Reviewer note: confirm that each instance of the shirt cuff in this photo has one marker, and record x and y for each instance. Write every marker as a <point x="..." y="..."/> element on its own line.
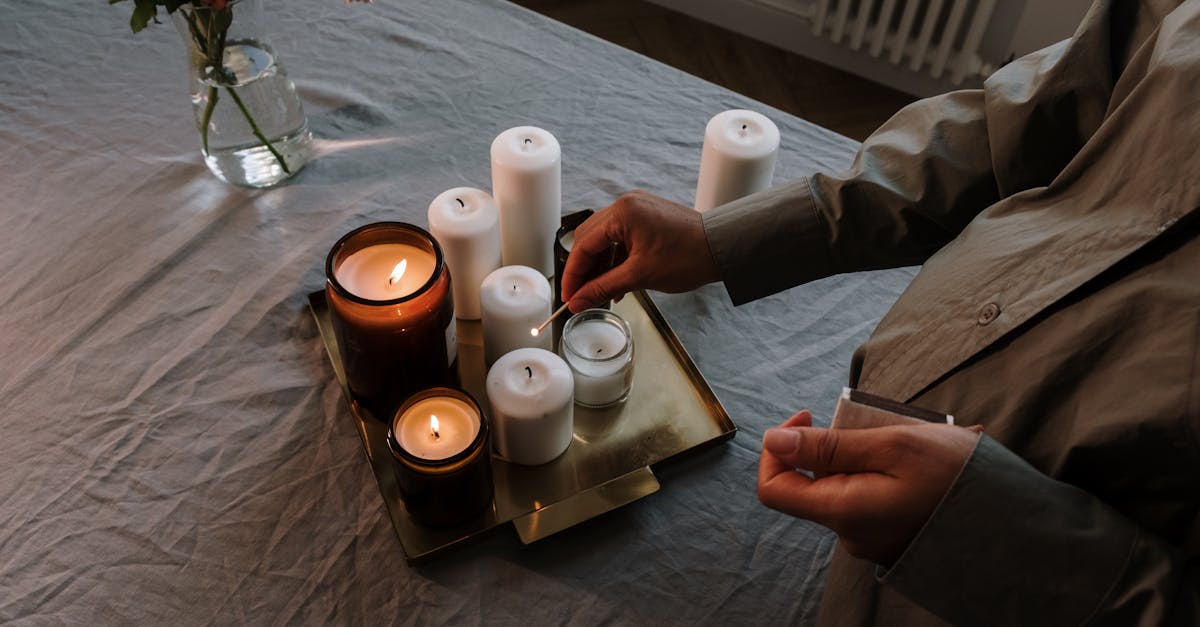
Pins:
<point x="1009" y="545"/>
<point x="769" y="241"/>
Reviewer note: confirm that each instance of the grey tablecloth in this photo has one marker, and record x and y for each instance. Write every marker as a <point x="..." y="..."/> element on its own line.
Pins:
<point x="174" y="447"/>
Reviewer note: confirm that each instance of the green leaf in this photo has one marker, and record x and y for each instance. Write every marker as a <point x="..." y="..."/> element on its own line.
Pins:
<point x="143" y="12"/>
<point x="172" y="5"/>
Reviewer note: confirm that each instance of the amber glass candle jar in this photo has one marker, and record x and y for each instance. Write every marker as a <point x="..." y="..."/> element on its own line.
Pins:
<point x="439" y="445"/>
<point x="389" y="300"/>
<point x="564" y="240"/>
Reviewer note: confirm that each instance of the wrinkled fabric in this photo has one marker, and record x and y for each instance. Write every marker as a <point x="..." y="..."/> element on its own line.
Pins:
<point x="1056" y="212"/>
<point x="175" y="447"/>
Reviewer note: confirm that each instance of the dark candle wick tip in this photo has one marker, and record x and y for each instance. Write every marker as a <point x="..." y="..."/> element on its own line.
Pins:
<point x="528" y="141"/>
<point x="743" y="127"/>
<point x="529" y="371"/>
<point x="461" y="203"/>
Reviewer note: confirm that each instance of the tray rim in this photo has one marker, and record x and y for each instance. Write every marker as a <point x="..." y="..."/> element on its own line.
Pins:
<point x="317" y="304"/>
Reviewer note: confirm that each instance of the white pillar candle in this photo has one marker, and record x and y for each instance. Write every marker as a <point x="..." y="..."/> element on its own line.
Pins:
<point x="738" y="158"/>
<point x="464" y="221"/>
<point x="437" y="428"/>
<point x="513" y="300"/>
<point x="598" y="346"/>
<point x="527" y="184"/>
<point x="533" y="415"/>
<point x="385" y="271"/>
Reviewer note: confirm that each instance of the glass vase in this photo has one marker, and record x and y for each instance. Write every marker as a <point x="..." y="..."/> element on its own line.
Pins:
<point x="252" y="126"/>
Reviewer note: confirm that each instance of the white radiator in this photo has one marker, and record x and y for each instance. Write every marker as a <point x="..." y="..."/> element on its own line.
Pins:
<point x="923" y="47"/>
<point x="934" y="36"/>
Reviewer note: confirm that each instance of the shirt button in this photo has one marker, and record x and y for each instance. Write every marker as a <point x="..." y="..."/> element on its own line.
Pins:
<point x="990" y="312"/>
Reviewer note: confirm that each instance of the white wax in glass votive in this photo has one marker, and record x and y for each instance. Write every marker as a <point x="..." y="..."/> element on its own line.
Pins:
<point x="385" y="271"/>
<point x="527" y="185"/>
<point x="465" y="223"/>
<point x="738" y="158"/>
<point x="437" y="428"/>
<point x="567" y="240"/>
<point x="513" y="300"/>
<point x="598" y="346"/>
<point x="531" y="394"/>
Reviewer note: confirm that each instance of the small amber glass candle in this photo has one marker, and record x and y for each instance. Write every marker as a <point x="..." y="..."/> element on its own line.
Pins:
<point x="389" y="300"/>
<point x="439" y="443"/>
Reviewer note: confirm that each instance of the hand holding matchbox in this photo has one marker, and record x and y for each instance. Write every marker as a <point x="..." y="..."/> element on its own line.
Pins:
<point x="859" y="410"/>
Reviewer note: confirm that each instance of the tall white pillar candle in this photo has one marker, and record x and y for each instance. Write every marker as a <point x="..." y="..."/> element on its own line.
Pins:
<point x="533" y="411"/>
<point x="513" y="300"/>
<point x="527" y="184"/>
<point x="738" y="158"/>
<point x="464" y="221"/>
<point x="598" y="346"/>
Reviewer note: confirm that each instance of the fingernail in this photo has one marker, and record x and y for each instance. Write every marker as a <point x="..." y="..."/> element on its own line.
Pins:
<point x="781" y="441"/>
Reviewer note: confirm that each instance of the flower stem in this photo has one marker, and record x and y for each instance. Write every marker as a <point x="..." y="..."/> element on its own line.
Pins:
<point x="258" y="133"/>
<point x="207" y="117"/>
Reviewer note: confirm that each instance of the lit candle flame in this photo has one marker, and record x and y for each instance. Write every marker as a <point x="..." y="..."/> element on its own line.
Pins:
<point x="434" y="425"/>
<point x="534" y="332"/>
<point x="398" y="272"/>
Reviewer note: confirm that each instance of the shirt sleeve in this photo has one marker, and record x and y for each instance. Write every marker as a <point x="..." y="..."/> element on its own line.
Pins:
<point x="1010" y="546"/>
<point x="924" y="175"/>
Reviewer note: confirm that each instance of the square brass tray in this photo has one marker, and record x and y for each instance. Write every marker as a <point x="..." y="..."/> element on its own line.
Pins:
<point x="670" y="411"/>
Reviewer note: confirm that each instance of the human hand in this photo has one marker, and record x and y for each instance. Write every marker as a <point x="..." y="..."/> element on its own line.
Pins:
<point x="662" y="243"/>
<point x="888" y="481"/>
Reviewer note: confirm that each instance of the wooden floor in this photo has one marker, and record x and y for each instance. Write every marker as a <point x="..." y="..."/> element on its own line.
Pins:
<point x="823" y="95"/>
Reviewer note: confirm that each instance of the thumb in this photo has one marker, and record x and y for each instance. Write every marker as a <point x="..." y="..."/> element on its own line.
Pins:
<point x="826" y="450"/>
<point x="608" y="286"/>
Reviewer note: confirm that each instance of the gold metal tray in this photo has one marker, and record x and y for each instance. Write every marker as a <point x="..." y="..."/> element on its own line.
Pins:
<point x="670" y="411"/>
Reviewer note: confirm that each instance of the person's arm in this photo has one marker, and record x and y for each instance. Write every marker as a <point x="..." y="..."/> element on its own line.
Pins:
<point x="918" y="180"/>
<point x="915" y="183"/>
<point x="1011" y="546"/>
<point x="974" y="534"/>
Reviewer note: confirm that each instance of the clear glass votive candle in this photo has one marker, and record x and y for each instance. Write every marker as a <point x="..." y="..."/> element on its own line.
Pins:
<point x="598" y="346"/>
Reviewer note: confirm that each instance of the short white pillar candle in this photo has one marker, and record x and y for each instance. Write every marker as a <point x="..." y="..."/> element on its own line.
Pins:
<point x="533" y="414"/>
<point x="513" y="300"/>
<point x="738" y="158"/>
<point x="598" y="346"/>
<point x="527" y="184"/>
<point x="464" y="220"/>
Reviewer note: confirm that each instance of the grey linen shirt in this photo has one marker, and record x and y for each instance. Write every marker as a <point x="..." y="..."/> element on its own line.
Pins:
<point x="1054" y="213"/>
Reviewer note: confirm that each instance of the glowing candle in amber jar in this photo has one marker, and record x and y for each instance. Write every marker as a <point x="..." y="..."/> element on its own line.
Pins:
<point x="439" y="443"/>
<point x="389" y="300"/>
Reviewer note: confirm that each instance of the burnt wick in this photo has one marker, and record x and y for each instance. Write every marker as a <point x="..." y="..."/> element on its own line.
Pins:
<point x="461" y="203"/>
<point x="529" y="371"/>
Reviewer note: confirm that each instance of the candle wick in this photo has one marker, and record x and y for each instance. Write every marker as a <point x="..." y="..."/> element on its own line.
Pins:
<point x="461" y="203"/>
<point x="528" y="141"/>
<point x="743" y="127"/>
<point x="529" y="371"/>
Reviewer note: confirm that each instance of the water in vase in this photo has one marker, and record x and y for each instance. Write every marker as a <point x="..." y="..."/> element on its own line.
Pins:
<point x="263" y="93"/>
